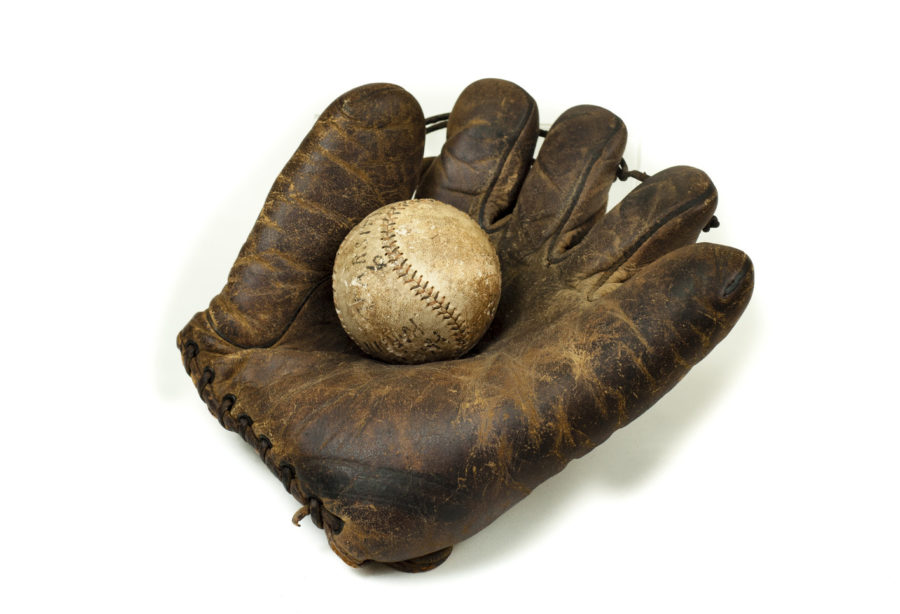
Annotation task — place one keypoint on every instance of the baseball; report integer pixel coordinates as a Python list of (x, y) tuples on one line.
[(416, 281)]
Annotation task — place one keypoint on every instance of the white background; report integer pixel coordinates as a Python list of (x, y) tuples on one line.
[(138, 142)]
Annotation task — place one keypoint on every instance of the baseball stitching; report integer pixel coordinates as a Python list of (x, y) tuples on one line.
[(426, 292)]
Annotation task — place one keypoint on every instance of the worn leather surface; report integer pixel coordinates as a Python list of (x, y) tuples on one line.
[(601, 314)]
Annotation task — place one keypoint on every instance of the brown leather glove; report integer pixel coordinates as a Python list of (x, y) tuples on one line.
[(601, 314)]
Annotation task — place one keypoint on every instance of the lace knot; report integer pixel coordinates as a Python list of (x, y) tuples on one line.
[(313, 509)]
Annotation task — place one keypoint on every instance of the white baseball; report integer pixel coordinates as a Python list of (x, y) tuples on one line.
[(416, 281)]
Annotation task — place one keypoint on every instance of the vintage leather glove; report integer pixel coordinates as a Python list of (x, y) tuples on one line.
[(601, 314)]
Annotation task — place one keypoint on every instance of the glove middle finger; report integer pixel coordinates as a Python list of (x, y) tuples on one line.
[(566, 190)]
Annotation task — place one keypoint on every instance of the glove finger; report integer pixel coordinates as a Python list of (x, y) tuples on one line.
[(364, 152), (644, 337), (491, 135), (566, 190), (665, 212)]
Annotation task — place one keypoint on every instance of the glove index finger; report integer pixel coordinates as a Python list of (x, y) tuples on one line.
[(364, 152), (491, 136)]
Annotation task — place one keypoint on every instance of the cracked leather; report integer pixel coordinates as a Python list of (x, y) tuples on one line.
[(601, 314)]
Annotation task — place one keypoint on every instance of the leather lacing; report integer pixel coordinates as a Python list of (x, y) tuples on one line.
[(313, 509), (623, 174), (438, 122), (243, 425), (320, 517)]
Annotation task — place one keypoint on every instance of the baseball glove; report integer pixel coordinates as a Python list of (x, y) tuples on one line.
[(601, 313)]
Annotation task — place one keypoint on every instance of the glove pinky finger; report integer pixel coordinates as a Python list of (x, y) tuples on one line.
[(648, 333)]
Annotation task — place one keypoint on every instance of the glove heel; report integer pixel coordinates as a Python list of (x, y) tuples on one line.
[(423, 563)]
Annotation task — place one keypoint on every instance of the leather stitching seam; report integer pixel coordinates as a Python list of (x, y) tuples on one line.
[(243, 426)]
